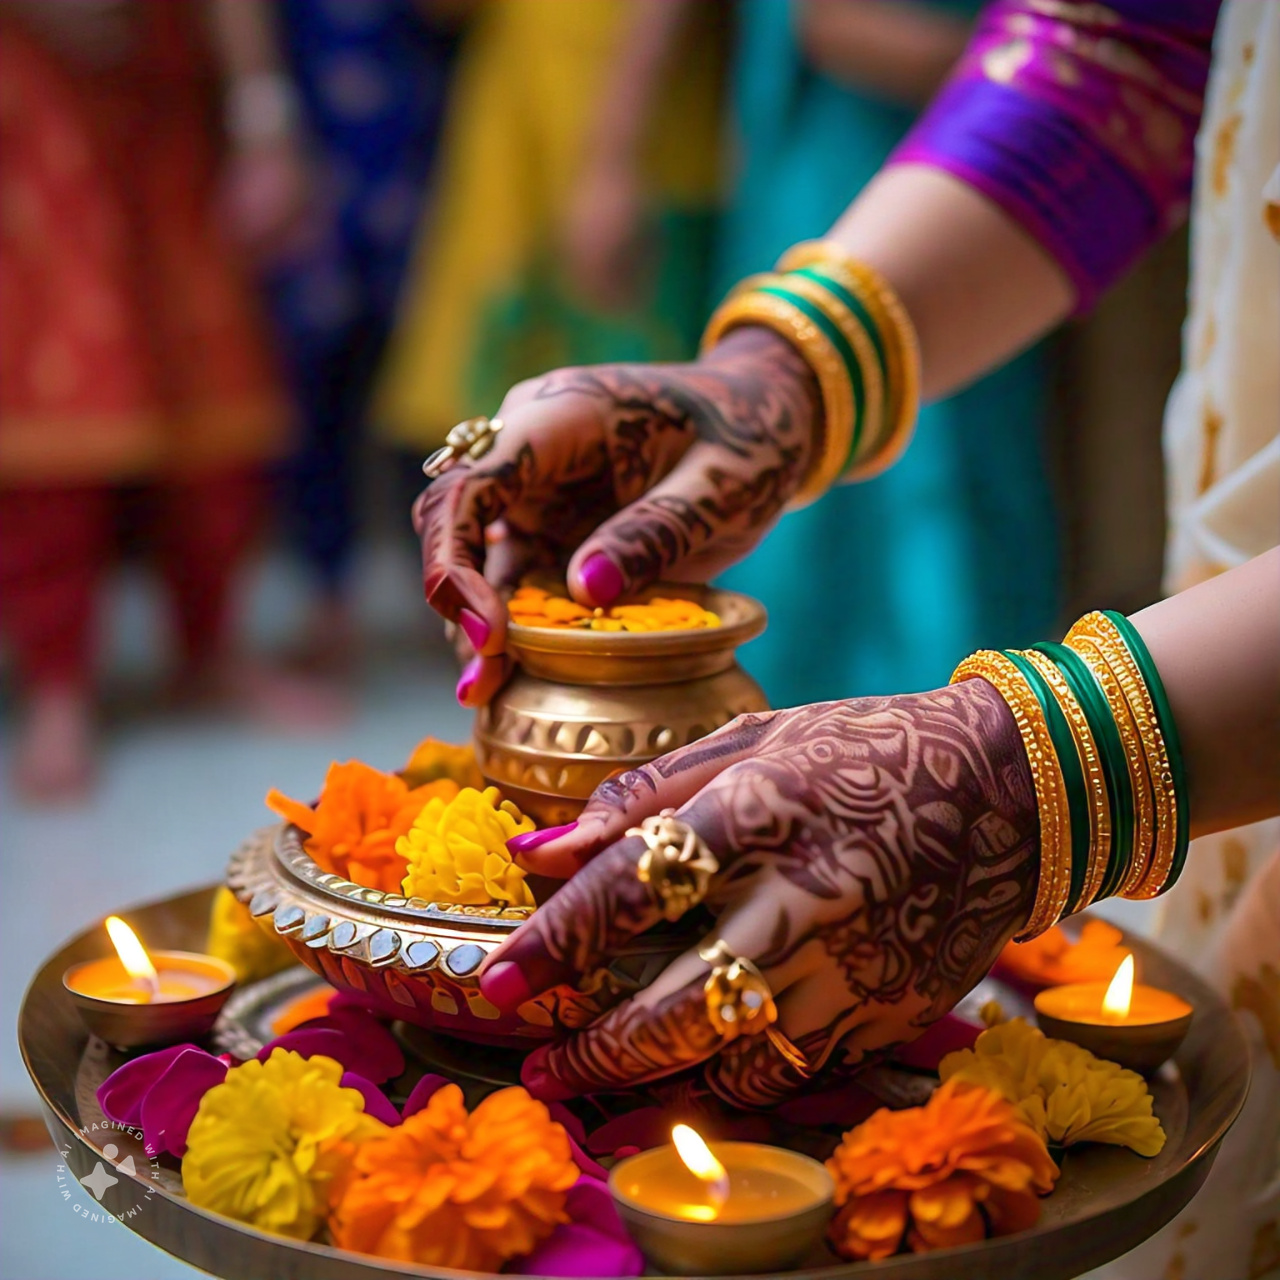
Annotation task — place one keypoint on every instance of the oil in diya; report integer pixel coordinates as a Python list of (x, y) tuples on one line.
[(1139, 1027), (136, 997), (740, 1207)]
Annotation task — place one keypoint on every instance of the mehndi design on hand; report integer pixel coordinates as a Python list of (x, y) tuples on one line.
[(875, 856)]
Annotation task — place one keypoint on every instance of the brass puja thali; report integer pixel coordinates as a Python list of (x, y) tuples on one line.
[(1107, 1201)]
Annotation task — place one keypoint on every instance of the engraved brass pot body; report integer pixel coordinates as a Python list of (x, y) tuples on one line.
[(583, 705)]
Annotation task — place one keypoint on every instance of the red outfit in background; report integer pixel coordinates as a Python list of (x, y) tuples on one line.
[(130, 350)]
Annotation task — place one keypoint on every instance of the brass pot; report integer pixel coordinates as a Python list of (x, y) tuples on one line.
[(417, 960), (583, 705)]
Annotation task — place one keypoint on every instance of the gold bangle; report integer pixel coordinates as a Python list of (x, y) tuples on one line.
[(1135, 759), (1054, 886), (873, 407), (746, 307), (1091, 764), (1099, 630), (902, 347)]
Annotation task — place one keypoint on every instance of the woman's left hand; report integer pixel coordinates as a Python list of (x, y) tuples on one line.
[(874, 856)]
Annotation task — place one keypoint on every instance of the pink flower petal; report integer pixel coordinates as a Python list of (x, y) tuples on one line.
[(376, 1103), (422, 1092), (644, 1128), (945, 1036), (171, 1104), (846, 1105), (355, 1039), (120, 1095), (592, 1243)]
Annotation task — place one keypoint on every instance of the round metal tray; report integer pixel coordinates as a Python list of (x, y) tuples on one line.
[(1106, 1202)]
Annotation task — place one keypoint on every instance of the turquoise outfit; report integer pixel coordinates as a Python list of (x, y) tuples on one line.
[(880, 587)]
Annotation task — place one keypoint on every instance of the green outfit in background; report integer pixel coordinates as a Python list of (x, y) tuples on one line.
[(883, 586)]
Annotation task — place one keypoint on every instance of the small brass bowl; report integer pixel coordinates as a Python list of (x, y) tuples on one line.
[(417, 960), (131, 1026), (583, 705), (734, 1246)]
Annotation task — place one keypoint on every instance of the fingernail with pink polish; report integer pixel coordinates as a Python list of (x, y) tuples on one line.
[(505, 985), (475, 627), (470, 674), (601, 578), (535, 839), (535, 1077)]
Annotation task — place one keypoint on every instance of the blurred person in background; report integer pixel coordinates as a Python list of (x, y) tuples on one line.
[(131, 357), (368, 85), (955, 547), (578, 185)]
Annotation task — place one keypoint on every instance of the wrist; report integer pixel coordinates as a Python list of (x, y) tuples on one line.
[(757, 348)]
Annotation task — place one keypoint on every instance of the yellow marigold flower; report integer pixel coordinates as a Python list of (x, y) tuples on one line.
[(271, 1144), (962, 1166), (1065, 1093), (253, 950), (432, 760), (457, 852), (448, 1189)]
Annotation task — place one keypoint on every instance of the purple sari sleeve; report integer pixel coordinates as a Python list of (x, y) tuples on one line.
[(1078, 119)]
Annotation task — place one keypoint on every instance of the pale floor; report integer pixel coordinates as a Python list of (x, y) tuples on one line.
[(174, 797)]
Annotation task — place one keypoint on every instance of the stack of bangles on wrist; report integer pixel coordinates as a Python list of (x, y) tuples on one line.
[(1105, 761), (855, 335)]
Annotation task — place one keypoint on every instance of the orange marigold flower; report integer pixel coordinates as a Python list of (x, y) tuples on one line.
[(448, 1189), (1053, 958), (943, 1174), (534, 607), (361, 813)]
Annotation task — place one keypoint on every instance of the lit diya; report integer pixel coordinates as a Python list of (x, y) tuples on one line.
[(138, 998), (741, 1207), (1139, 1027)]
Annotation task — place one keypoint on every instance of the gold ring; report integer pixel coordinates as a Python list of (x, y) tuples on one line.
[(471, 438), (739, 1001), (676, 864), (794, 1058)]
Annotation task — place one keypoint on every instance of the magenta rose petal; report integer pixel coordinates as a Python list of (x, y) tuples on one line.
[(592, 1243), (421, 1093), (376, 1103), (359, 1042), (945, 1036), (847, 1104), (644, 1128), (120, 1095), (170, 1105)]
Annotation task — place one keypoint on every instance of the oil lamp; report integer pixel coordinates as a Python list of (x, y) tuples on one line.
[(1139, 1027), (737, 1207), (138, 998)]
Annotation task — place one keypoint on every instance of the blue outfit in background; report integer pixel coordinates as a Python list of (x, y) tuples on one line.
[(372, 75), (880, 587)]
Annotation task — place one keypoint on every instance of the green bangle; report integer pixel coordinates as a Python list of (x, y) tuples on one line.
[(853, 303), (1072, 775), (837, 339), (1172, 744), (1115, 770)]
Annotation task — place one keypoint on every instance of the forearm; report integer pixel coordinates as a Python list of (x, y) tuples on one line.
[(1217, 648), (623, 113), (900, 51)]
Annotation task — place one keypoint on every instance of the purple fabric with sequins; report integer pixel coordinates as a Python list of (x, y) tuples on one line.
[(1079, 120)]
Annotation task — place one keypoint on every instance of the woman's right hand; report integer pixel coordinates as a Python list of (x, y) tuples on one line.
[(618, 476)]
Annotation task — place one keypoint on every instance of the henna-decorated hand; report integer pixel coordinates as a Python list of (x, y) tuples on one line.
[(875, 855), (618, 475)]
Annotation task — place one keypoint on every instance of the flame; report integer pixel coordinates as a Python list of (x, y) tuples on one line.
[(1120, 993), (704, 1166), (133, 955)]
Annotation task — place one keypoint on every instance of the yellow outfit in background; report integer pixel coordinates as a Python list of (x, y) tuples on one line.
[(484, 305)]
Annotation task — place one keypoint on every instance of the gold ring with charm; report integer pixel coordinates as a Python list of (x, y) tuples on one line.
[(739, 1002), (472, 438), (676, 865)]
